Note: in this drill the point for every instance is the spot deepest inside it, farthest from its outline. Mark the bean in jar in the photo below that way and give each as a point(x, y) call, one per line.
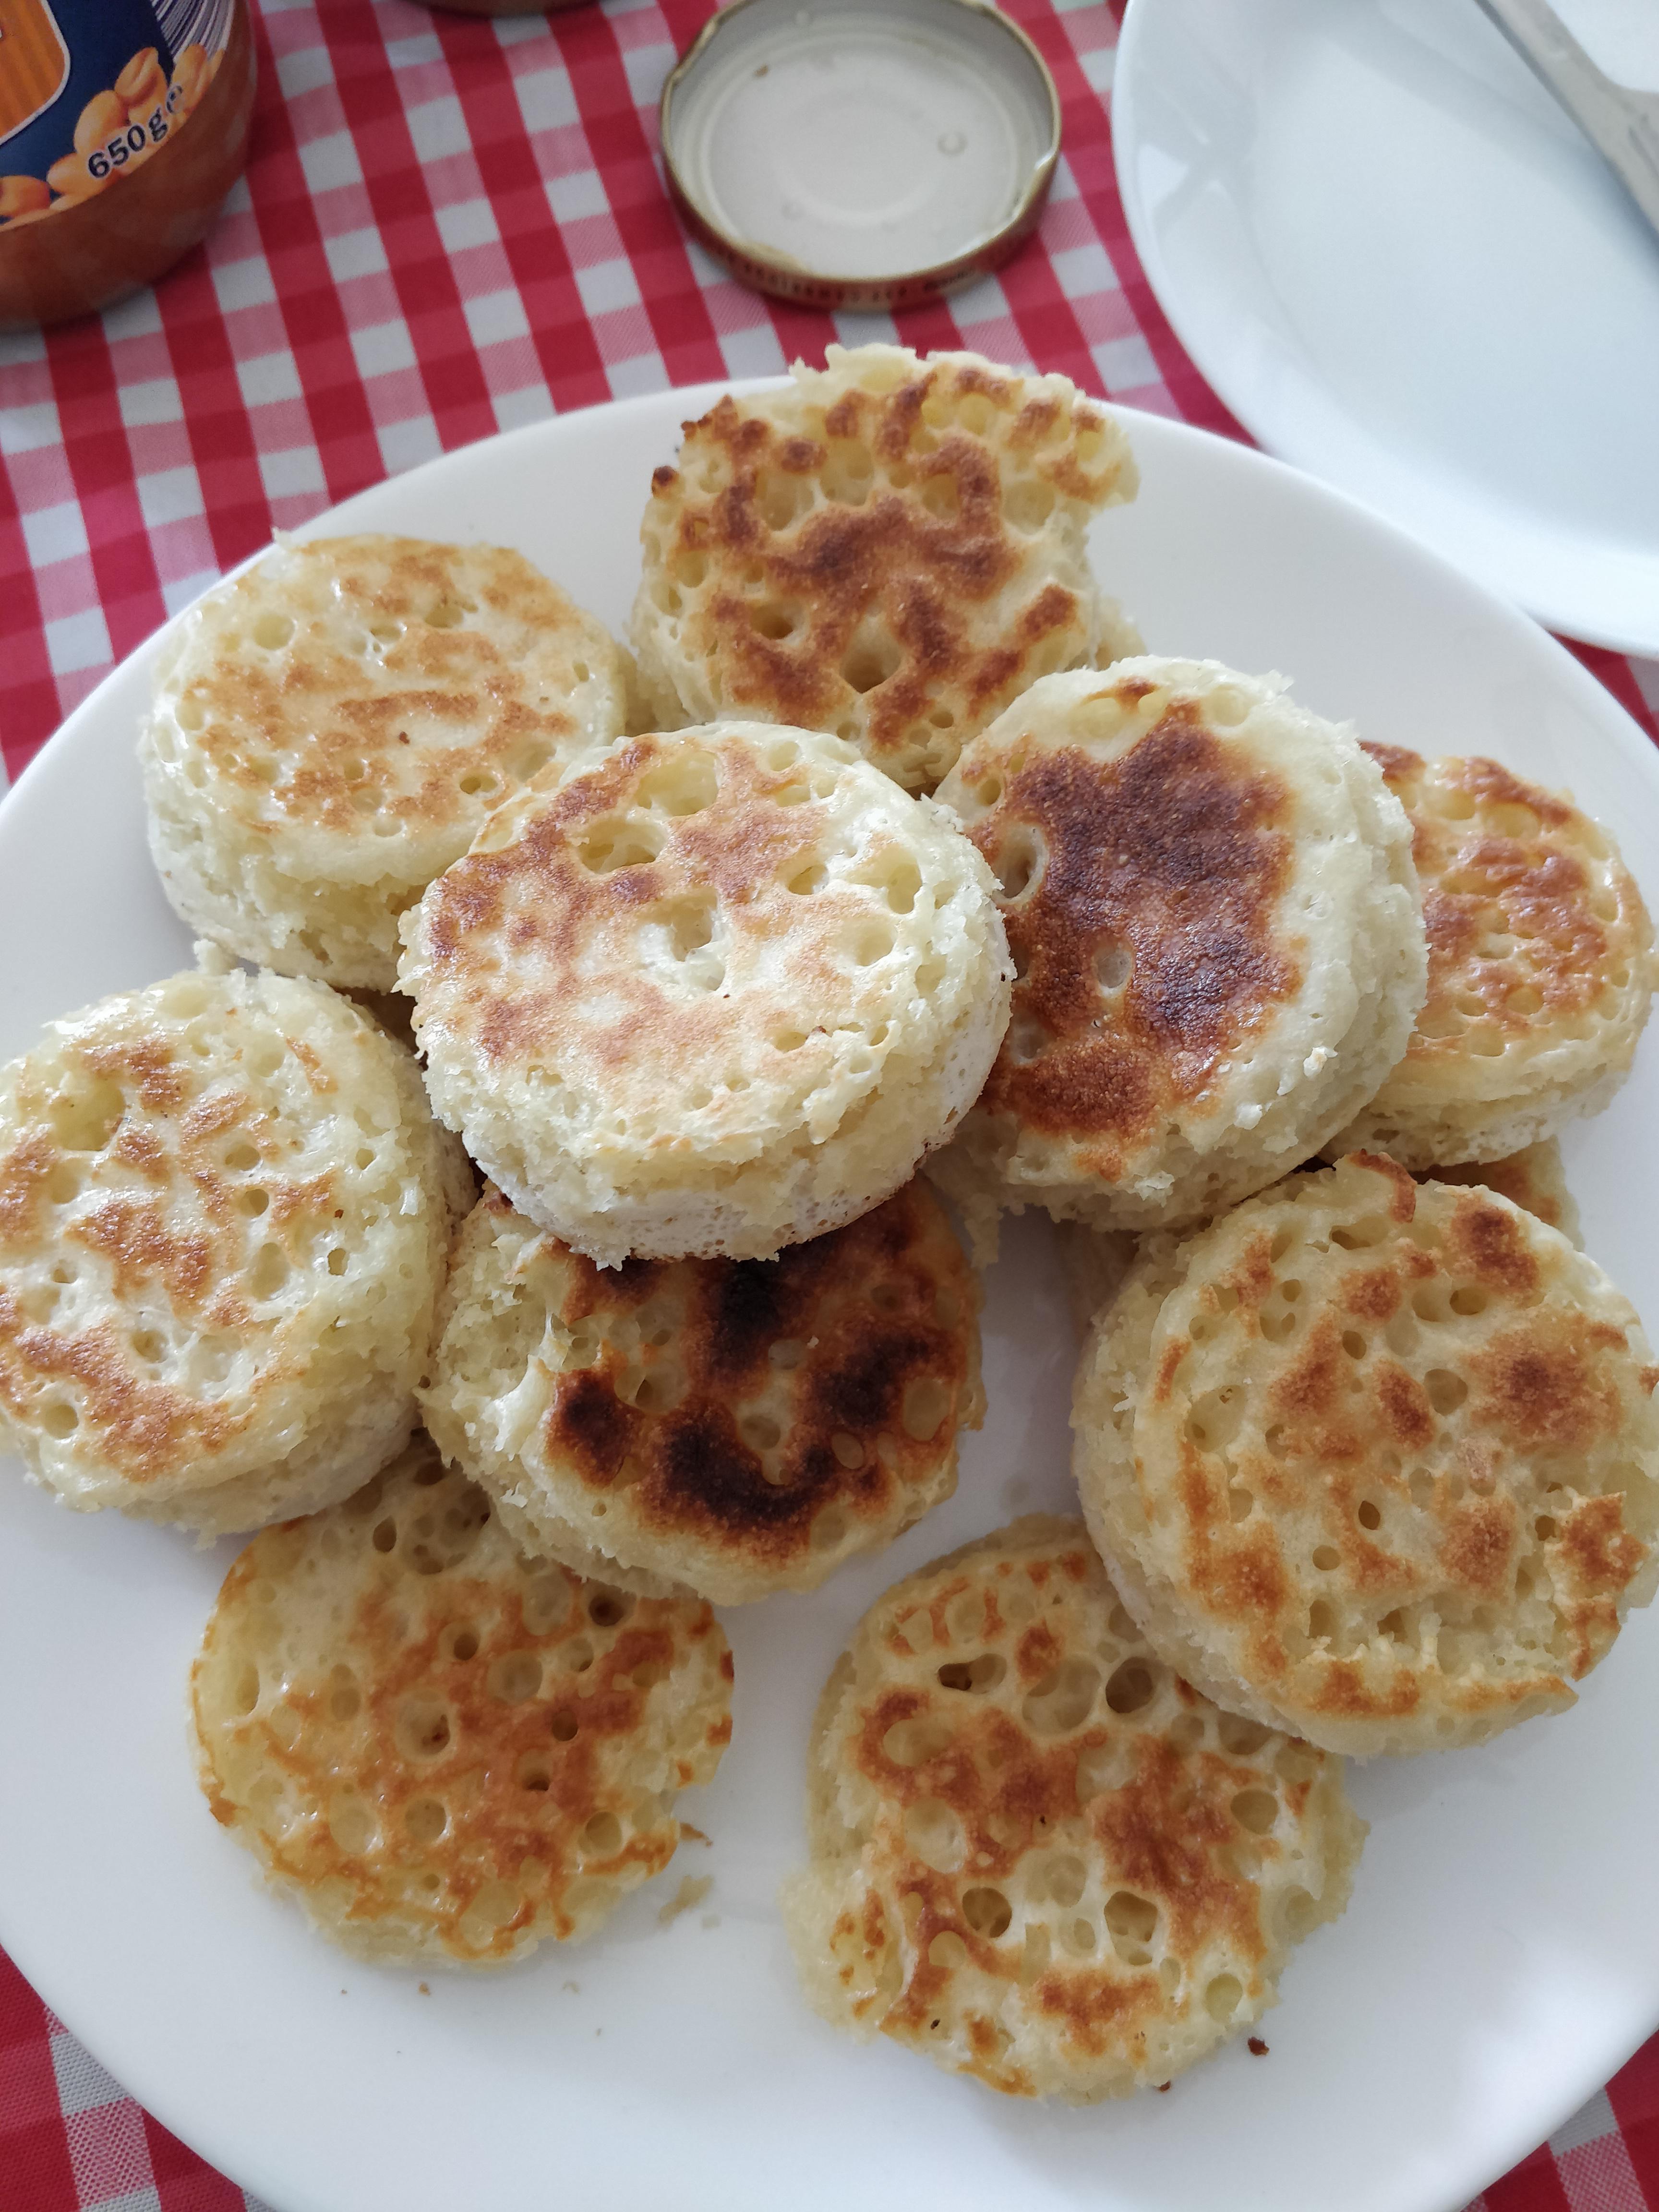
point(123, 125)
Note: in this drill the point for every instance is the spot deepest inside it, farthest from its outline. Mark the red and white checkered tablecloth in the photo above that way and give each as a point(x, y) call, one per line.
point(450, 228)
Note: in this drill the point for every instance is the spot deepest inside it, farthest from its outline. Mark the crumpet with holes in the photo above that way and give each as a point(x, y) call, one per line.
point(445, 1752)
point(888, 548)
point(1542, 968)
point(225, 1211)
point(714, 996)
point(331, 728)
point(1037, 1855)
point(1209, 898)
point(1374, 1461)
point(729, 1426)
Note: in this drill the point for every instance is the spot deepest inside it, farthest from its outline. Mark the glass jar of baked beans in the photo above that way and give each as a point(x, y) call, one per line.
point(123, 125)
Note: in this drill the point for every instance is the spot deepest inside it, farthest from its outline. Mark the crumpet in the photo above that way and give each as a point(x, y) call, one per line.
point(714, 996)
point(731, 1426)
point(1209, 898)
point(443, 1753)
point(332, 727)
point(889, 549)
point(1542, 968)
point(1037, 1856)
point(225, 1211)
point(1374, 1460)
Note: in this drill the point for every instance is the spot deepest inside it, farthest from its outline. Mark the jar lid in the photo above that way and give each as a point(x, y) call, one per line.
point(860, 153)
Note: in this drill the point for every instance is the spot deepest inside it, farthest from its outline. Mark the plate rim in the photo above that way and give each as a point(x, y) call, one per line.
point(1605, 709)
point(1233, 386)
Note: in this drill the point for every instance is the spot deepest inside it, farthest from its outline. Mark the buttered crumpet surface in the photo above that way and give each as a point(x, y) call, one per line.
point(1037, 1856)
point(1542, 968)
point(1209, 898)
point(446, 1753)
point(890, 548)
point(737, 1426)
point(1373, 1460)
point(714, 996)
point(332, 727)
point(225, 1210)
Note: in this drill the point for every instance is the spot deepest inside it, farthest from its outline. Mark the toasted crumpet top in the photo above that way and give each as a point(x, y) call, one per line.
point(223, 1213)
point(1036, 1854)
point(1540, 960)
point(444, 1752)
point(346, 713)
point(379, 687)
point(1193, 908)
point(737, 1426)
point(889, 549)
point(702, 961)
point(1377, 1460)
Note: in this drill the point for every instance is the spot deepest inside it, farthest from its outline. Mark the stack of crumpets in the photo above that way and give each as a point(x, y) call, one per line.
point(896, 875)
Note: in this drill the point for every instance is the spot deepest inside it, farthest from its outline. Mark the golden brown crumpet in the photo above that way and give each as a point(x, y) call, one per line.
point(1375, 1461)
point(892, 549)
point(732, 1426)
point(1037, 1855)
point(1209, 898)
point(444, 1752)
point(715, 996)
point(1542, 968)
point(332, 727)
point(225, 1211)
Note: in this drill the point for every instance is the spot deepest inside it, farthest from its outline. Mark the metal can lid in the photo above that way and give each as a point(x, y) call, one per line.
point(860, 153)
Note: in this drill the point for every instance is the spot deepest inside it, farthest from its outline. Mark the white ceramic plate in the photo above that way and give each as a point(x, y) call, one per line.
point(1501, 1955)
point(1405, 269)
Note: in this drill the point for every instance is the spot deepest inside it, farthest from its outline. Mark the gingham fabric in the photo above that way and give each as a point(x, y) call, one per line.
point(450, 228)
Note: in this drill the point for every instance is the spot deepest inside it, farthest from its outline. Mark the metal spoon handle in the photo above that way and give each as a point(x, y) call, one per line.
point(1622, 125)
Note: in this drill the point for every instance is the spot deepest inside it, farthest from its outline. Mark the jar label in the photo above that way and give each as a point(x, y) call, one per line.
point(89, 88)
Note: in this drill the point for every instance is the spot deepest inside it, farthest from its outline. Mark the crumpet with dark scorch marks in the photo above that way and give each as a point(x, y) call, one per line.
point(730, 1426)
point(1209, 900)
